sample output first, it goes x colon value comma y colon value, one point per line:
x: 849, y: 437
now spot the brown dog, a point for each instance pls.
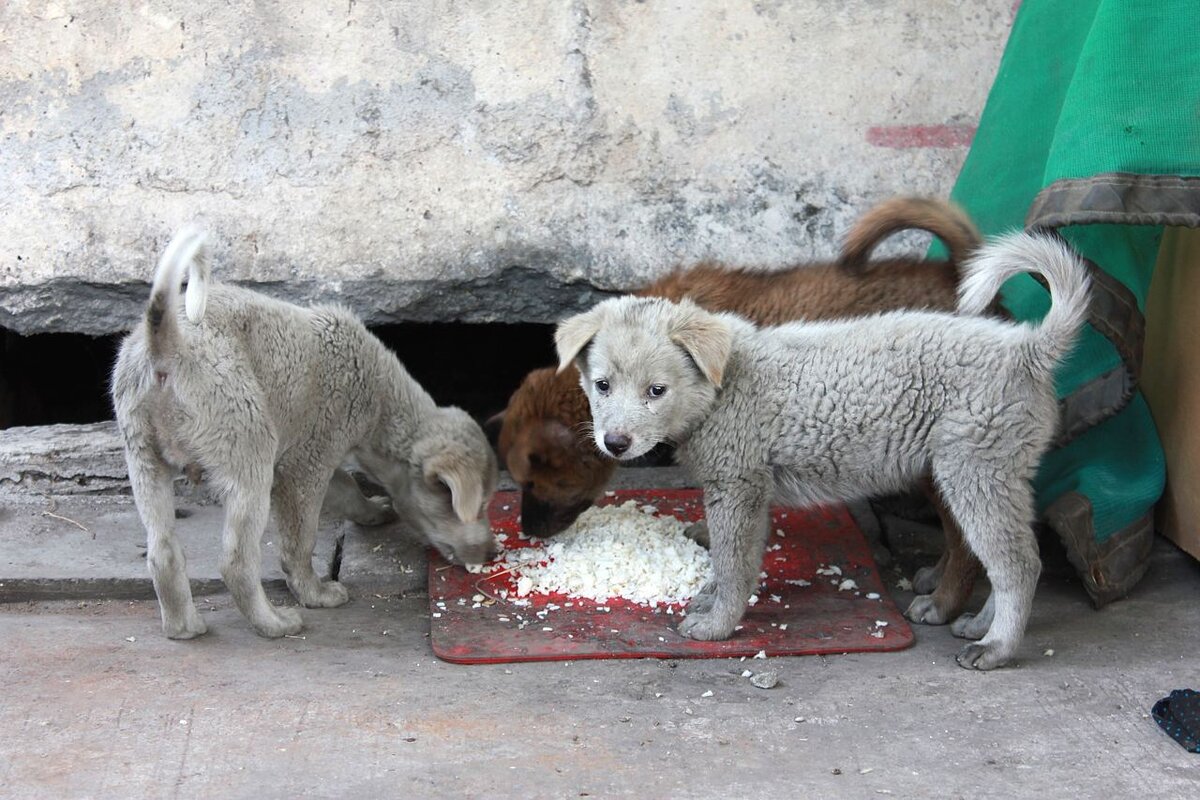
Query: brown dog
x: 543, y: 435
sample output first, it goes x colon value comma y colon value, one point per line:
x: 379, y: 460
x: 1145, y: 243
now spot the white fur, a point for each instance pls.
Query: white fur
x: 810, y: 413
x: 267, y: 399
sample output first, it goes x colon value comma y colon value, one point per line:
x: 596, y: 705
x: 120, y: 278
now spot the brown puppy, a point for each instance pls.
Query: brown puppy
x: 544, y: 431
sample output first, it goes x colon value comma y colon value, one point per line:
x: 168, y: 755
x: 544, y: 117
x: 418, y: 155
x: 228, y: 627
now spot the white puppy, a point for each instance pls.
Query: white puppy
x: 811, y: 413
x: 267, y: 399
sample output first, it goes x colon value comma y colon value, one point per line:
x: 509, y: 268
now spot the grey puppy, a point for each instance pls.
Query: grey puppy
x: 268, y: 399
x: 811, y: 413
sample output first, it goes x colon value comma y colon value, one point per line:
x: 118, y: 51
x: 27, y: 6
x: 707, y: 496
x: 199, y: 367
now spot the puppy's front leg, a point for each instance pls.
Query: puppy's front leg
x: 296, y: 497
x: 737, y: 524
x: 344, y: 499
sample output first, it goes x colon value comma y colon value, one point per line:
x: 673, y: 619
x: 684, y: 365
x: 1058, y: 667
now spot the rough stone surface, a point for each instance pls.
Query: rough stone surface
x: 62, y: 460
x: 462, y: 161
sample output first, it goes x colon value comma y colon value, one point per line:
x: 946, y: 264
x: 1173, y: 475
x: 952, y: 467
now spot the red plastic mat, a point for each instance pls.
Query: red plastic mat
x: 789, y: 619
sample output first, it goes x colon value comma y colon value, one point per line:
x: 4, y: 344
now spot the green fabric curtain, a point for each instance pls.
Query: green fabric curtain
x: 1093, y: 101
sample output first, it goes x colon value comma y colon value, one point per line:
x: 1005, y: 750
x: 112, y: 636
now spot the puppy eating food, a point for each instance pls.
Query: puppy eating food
x: 811, y: 413
x: 542, y: 437
x: 268, y: 398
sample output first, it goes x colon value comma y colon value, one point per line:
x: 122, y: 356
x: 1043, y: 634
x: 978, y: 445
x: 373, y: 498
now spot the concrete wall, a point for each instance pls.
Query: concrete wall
x: 462, y: 160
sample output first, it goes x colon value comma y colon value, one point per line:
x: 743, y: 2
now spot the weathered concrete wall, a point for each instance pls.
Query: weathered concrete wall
x: 462, y: 160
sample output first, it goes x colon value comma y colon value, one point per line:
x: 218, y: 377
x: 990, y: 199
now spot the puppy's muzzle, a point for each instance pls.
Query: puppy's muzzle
x: 617, y: 443
x: 542, y: 519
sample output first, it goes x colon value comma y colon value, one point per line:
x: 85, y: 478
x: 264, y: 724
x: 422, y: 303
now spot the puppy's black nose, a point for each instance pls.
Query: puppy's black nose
x: 616, y: 443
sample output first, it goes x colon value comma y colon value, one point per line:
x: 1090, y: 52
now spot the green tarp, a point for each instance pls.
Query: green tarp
x: 1092, y: 128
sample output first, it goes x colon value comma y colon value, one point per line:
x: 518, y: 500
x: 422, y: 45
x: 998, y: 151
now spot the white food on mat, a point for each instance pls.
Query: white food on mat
x: 615, y: 551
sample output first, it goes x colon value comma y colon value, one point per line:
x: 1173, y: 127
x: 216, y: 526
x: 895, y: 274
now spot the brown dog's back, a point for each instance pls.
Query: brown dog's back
x: 544, y: 438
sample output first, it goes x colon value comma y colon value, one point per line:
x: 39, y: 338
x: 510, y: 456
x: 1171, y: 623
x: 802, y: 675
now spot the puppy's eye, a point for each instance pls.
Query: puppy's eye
x: 656, y: 390
x: 602, y: 386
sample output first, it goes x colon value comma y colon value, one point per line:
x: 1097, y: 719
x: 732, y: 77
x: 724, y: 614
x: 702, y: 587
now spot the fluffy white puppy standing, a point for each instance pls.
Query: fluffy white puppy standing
x: 268, y: 399
x: 811, y: 413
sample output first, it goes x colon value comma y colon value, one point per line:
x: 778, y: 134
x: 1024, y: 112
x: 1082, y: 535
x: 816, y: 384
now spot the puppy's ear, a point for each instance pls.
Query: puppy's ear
x: 492, y: 428
x: 463, y: 479
x: 707, y: 339
x: 574, y: 333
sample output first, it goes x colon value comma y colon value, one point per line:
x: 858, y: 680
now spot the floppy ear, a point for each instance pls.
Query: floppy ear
x: 573, y: 334
x: 465, y: 483
x: 492, y: 428
x: 707, y: 339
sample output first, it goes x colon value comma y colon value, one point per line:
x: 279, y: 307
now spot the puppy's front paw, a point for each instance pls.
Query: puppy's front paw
x: 331, y: 594
x: 982, y: 656
x: 927, y: 579
x: 706, y: 626
x: 287, y: 622
x: 698, y: 533
x: 376, y: 511
x: 924, y: 610
x: 191, y: 627
x: 970, y: 626
x: 702, y: 601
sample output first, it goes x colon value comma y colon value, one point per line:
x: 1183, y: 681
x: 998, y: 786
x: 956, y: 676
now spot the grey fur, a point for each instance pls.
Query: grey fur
x: 268, y: 399
x: 811, y: 413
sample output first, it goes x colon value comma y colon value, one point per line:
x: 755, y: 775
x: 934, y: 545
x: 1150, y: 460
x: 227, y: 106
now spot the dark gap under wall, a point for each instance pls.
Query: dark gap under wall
x: 53, y: 378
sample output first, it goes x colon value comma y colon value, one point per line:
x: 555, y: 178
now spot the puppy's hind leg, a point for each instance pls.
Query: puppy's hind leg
x: 995, y: 510
x: 942, y: 602
x: 296, y: 498
x: 246, y: 510
x: 738, y: 526
x: 154, y: 493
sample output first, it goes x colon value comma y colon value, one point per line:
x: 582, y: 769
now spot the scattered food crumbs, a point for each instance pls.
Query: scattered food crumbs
x: 904, y: 585
x: 131, y: 638
x: 765, y: 680
x: 747, y: 673
x: 547, y: 629
x: 783, y: 627
x: 847, y: 585
x: 658, y: 694
x: 872, y: 595
x: 779, y: 532
x: 866, y: 770
x: 877, y: 634
x: 1048, y: 653
x: 776, y: 598
x: 477, y: 598
x: 799, y: 719
x: 879, y: 623
x: 707, y: 694
x: 753, y: 599
x: 830, y: 570
x: 799, y: 582
x: 761, y: 654
x: 687, y: 711
x: 436, y: 615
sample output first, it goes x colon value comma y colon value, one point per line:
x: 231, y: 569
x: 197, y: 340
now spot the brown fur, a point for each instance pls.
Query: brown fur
x: 543, y: 436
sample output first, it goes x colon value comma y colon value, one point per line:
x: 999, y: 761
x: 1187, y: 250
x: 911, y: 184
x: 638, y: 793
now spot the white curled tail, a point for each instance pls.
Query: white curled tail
x: 1064, y: 273
x: 186, y: 251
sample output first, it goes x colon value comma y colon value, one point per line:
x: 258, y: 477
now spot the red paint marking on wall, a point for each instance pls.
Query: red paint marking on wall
x: 904, y: 136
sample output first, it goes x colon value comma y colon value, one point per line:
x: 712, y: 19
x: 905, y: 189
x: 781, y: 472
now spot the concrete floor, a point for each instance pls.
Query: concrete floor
x: 97, y: 703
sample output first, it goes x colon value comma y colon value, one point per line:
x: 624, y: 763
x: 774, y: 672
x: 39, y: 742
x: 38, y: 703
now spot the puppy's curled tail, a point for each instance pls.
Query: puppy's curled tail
x: 944, y: 220
x: 1064, y: 274
x: 186, y: 251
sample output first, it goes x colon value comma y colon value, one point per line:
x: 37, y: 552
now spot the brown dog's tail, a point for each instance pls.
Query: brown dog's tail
x: 186, y: 251
x: 943, y: 219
